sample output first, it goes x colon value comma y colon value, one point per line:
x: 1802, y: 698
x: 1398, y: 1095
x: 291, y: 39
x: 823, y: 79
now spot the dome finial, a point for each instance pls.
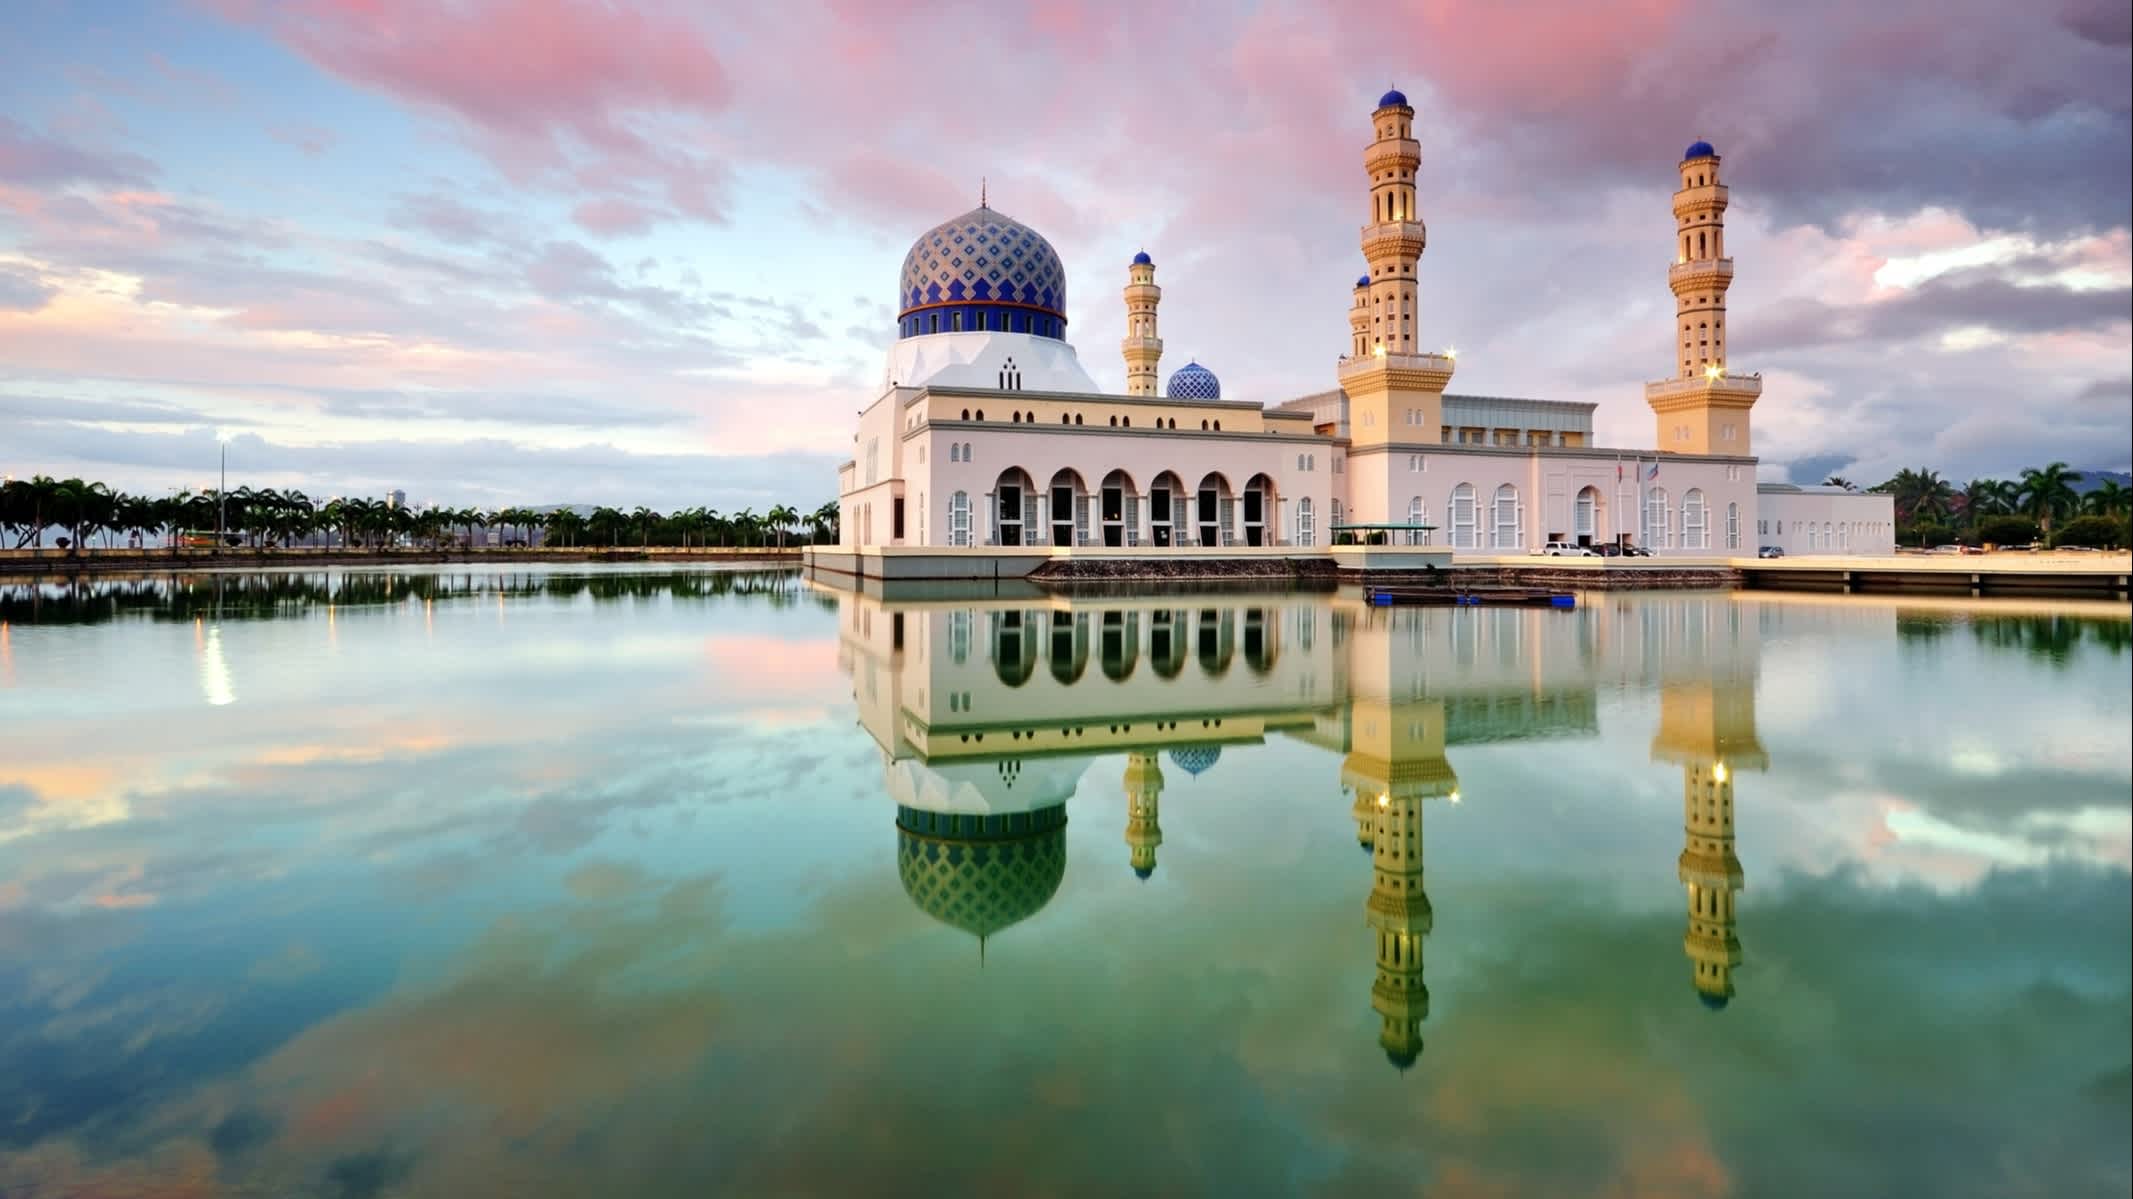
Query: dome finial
x: 981, y: 193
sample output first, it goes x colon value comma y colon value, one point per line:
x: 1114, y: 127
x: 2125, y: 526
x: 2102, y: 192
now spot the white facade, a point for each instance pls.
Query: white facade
x: 1825, y: 520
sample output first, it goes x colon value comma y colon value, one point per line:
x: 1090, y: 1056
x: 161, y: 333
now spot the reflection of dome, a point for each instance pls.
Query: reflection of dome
x: 1195, y: 759
x: 1142, y: 872
x: 984, y: 265
x: 1698, y: 149
x: 1403, y: 1058
x: 981, y: 873
x: 1194, y: 382
x: 1142, y: 259
x: 1714, y: 1002
x: 1393, y: 99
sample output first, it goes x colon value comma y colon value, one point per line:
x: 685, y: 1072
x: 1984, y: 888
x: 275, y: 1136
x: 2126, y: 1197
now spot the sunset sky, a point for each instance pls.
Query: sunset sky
x: 572, y: 252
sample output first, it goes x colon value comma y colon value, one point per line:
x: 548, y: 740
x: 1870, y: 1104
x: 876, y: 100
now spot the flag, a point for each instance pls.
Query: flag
x: 1655, y: 472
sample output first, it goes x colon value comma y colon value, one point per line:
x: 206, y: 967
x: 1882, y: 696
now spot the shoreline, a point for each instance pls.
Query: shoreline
x: 19, y: 563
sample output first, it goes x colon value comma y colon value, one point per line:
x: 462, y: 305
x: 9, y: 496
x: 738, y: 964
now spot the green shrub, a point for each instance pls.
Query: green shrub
x: 2006, y: 530
x: 2100, y: 532
x: 1927, y: 536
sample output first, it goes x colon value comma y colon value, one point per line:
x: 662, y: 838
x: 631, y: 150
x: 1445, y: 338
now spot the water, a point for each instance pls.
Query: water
x: 608, y: 883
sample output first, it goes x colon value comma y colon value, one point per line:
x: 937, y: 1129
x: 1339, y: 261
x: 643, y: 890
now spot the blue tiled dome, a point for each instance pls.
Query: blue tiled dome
x: 1393, y: 99
x: 978, y: 267
x: 1195, y: 759
x: 1194, y: 382
x: 1362, y: 280
x: 1698, y: 149
x: 1142, y: 259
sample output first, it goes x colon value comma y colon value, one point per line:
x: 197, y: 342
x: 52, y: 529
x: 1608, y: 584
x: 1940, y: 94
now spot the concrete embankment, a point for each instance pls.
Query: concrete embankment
x: 101, y: 561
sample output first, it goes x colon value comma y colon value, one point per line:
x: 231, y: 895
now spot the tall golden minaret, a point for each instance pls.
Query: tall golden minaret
x: 1703, y: 409
x: 1387, y: 374
x: 1142, y: 348
x: 1395, y: 762
x: 1144, y: 790
x: 1709, y: 729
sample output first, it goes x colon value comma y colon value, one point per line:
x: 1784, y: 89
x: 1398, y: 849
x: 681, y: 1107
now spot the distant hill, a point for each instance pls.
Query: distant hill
x: 2092, y: 479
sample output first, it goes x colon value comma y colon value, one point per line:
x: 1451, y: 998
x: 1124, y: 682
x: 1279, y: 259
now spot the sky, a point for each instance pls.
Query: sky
x: 561, y: 251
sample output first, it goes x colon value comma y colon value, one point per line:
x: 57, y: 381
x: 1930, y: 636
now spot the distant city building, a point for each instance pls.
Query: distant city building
x: 988, y: 432
x: 396, y: 498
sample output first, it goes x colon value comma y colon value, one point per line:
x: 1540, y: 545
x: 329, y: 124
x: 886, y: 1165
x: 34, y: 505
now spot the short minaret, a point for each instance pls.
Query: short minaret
x: 1387, y: 374
x: 1144, y: 791
x: 1142, y: 348
x: 1703, y: 409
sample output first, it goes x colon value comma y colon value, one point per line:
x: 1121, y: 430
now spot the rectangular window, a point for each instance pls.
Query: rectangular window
x: 896, y: 519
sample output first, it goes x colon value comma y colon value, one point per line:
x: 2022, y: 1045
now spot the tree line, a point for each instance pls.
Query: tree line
x: 2042, y: 504
x: 88, y: 511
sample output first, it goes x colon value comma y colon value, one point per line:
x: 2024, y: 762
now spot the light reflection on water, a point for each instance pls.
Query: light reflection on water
x: 578, y: 882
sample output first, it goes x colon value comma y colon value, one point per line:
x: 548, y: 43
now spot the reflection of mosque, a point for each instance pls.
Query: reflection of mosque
x: 990, y: 712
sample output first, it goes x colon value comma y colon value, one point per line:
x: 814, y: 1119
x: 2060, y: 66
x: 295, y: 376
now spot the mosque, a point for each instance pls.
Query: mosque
x: 988, y: 432
x: 989, y: 715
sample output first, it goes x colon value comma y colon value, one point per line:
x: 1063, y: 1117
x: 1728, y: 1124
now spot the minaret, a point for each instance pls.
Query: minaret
x: 1399, y: 915
x: 1709, y: 729
x: 1144, y: 789
x: 1386, y: 373
x: 1703, y: 409
x: 1142, y: 348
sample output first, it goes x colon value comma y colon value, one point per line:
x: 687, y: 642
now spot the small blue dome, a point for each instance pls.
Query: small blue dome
x: 1698, y: 149
x: 1362, y: 280
x: 1393, y: 99
x: 1142, y: 259
x: 1715, y: 1002
x: 1195, y: 759
x: 1142, y: 872
x: 1194, y: 382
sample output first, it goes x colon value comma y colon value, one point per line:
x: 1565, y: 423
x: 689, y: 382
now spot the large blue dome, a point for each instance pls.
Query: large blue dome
x: 981, y: 272
x: 1194, y: 382
x: 1393, y: 99
x: 1698, y: 149
x: 1142, y: 259
x: 1196, y: 759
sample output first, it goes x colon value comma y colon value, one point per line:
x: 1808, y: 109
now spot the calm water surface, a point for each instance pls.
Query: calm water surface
x: 587, y: 883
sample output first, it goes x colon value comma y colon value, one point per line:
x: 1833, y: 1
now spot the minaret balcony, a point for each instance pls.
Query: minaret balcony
x: 1390, y: 154
x: 1402, y: 238
x: 1699, y: 272
x: 1736, y: 390
x: 1437, y: 368
x: 1690, y: 200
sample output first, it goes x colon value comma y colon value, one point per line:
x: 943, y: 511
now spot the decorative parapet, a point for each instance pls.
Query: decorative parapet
x: 1430, y: 369
x: 1699, y: 271
x: 1734, y: 389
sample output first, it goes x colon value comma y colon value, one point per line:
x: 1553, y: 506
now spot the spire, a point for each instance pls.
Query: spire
x: 981, y: 193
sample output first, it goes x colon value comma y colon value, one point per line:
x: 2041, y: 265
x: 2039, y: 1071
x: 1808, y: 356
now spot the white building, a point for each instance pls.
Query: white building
x: 1824, y: 520
x: 987, y: 431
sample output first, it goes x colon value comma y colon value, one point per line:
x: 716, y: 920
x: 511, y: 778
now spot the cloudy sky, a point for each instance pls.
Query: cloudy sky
x: 562, y: 251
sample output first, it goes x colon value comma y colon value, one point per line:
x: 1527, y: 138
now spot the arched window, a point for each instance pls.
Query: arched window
x: 1203, y: 426
x: 1658, y: 525
x: 1732, y: 526
x: 1695, y: 535
x: 1306, y: 526
x: 1114, y: 420
x: 1417, y: 514
x: 1065, y: 419
x: 959, y: 518
x: 955, y: 452
x: 1018, y: 418
x: 1508, y: 520
x: 966, y: 414
x: 1464, y: 517
x: 1586, y: 522
x: 981, y: 414
x: 1336, y: 522
x: 966, y: 451
x: 1127, y: 421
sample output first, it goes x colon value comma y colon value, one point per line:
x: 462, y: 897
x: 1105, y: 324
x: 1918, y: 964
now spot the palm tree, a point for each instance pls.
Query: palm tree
x: 824, y: 520
x: 1979, y: 498
x: 2048, y: 493
x: 780, y: 519
x: 606, y: 525
x: 642, y: 519
x: 1840, y: 481
x: 1920, y: 495
x: 746, y: 523
x: 565, y: 525
x: 2108, y: 498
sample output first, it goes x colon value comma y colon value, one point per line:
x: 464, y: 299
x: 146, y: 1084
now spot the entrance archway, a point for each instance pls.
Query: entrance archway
x: 1013, y: 509
x: 1213, y: 511
x: 1118, y: 510
x: 1068, y: 498
x: 1166, y: 510
x: 1259, y: 522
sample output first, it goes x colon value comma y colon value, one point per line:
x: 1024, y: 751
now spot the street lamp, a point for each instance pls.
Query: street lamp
x: 222, y: 494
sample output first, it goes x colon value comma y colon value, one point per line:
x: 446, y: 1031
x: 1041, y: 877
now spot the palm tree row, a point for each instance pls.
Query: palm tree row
x: 87, y: 512
x: 2043, y: 494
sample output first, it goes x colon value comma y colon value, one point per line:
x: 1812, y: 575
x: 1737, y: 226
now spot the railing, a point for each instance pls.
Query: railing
x: 1347, y: 363
x: 1738, y: 384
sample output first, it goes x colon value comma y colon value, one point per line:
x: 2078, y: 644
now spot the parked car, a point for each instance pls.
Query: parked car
x: 1635, y: 551
x: 1565, y: 549
x: 1771, y: 551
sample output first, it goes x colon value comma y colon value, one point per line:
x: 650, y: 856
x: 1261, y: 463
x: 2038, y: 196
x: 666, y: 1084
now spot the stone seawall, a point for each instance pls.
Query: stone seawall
x: 102, y: 561
x: 1638, y: 578
x: 1166, y: 570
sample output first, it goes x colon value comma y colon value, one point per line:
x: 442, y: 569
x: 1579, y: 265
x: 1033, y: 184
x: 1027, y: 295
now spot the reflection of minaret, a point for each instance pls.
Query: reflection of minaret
x: 1396, y: 761
x: 1144, y: 788
x: 1709, y: 728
